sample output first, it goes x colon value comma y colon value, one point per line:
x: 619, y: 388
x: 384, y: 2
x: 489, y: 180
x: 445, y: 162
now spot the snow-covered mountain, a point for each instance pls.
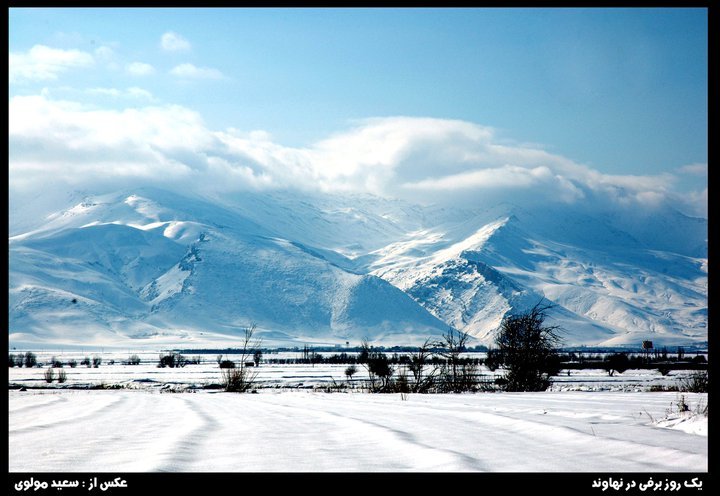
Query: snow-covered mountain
x: 152, y: 266
x: 608, y: 288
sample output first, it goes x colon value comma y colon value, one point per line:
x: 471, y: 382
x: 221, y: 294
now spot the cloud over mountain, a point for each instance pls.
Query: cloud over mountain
x: 420, y: 159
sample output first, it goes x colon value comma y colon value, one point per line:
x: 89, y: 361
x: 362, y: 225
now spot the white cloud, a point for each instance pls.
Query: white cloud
x: 505, y: 177
x: 173, y: 42
x: 43, y: 63
x: 189, y: 71
x: 114, y: 92
x: 132, y: 92
x: 697, y: 169
x: 419, y: 159
x: 60, y: 141
x: 698, y: 203
x: 447, y: 159
x: 140, y: 69
x: 135, y: 92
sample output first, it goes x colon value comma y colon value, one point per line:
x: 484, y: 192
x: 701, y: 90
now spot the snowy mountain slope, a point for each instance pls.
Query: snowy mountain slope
x: 149, y: 264
x: 608, y: 287
x: 228, y: 282
x: 458, y: 285
x: 152, y: 264
x: 347, y: 225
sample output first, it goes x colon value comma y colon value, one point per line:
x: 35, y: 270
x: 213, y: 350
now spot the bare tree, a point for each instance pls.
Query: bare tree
x: 378, y: 366
x: 527, y: 349
x: 422, y: 382
x: 455, y: 373
x: 617, y: 362
x: 241, y: 379
x: 350, y: 371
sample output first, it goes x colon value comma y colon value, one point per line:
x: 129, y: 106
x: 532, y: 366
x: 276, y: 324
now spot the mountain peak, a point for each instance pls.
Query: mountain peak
x: 147, y: 264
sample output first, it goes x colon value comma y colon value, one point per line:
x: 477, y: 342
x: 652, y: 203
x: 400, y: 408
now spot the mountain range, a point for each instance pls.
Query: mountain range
x: 148, y: 266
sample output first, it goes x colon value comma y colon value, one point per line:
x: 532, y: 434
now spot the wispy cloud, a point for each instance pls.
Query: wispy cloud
x: 173, y: 42
x: 42, y: 63
x: 190, y: 71
x: 140, y: 69
x: 132, y: 92
x: 697, y: 169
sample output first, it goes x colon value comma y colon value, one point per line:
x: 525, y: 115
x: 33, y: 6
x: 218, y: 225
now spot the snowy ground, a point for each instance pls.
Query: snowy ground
x: 589, y: 423
x: 303, y: 431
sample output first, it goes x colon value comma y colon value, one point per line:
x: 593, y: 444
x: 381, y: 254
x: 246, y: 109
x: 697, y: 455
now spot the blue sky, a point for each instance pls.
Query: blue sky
x: 617, y: 92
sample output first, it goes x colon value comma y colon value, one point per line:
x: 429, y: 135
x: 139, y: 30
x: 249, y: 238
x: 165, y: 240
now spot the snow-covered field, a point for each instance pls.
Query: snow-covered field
x: 147, y: 375
x: 589, y: 423
x: 303, y: 431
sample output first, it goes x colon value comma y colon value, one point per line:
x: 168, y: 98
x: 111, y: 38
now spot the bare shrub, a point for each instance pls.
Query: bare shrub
x: 696, y: 382
x: 172, y: 360
x: 617, y: 362
x: 350, y: 371
x: 30, y: 359
x: 422, y: 381
x: 682, y: 405
x: 62, y: 376
x: 49, y: 375
x: 664, y: 369
x: 238, y: 380
x: 701, y: 408
x: 242, y: 378
x: 96, y: 361
x: 655, y: 388
x: 402, y: 385
x: 379, y: 369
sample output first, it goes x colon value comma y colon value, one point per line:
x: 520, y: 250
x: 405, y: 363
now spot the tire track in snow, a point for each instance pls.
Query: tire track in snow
x: 121, y: 442
x: 80, y: 443
x: 540, y: 444
x: 610, y: 426
x: 574, y: 445
x: 184, y: 452
x: 72, y: 419
x: 140, y: 430
x: 467, y: 462
x: 54, y: 399
x: 454, y: 460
